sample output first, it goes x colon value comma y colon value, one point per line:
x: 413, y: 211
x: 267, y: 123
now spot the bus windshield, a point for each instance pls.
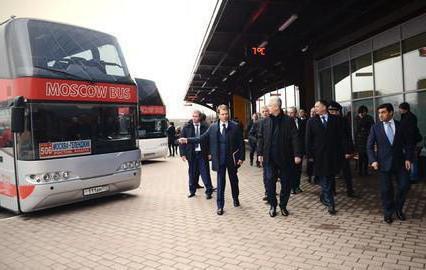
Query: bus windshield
x: 76, y: 129
x: 152, y: 127
x: 54, y: 50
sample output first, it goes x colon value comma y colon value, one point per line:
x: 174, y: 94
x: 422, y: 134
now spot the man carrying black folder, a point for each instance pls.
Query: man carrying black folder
x: 227, y: 152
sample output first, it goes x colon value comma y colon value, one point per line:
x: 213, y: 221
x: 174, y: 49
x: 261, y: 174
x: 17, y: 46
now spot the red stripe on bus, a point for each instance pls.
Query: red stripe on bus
x: 59, y: 90
x: 9, y: 190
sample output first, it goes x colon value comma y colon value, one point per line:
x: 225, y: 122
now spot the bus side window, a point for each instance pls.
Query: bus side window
x: 6, y: 136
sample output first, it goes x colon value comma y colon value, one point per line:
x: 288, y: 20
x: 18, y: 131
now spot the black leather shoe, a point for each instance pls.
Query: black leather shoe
x: 208, y: 196
x: 236, y: 203
x: 191, y: 195
x: 265, y: 198
x: 199, y: 186
x: 331, y: 210
x: 388, y: 219
x: 293, y: 191
x: 273, y: 211
x: 298, y: 190
x: 284, y: 211
x: 220, y: 211
x: 352, y: 194
x: 400, y: 215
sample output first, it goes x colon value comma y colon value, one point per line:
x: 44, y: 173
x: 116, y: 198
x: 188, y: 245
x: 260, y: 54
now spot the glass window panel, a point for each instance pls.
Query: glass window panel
x: 414, y: 50
x: 387, y: 68
x: 362, y: 77
x: 342, y: 82
x: 325, y: 84
x: 417, y: 103
x: 394, y: 100
x: 290, y: 98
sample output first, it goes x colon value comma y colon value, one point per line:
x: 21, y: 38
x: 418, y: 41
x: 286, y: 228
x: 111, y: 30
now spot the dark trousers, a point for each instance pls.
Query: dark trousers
x: 265, y: 181
x: 347, y: 176
x: 252, y: 150
x: 298, y: 175
x: 199, y: 165
x: 171, y: 148
x: 310, y: 171
x: 390, y: 202
x: 326, y: 194
x: 362, y: 163
x: 286, y: 175
x: 221, y: 182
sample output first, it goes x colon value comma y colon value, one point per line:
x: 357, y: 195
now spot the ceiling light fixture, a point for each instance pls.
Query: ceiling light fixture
x: 288, y: 22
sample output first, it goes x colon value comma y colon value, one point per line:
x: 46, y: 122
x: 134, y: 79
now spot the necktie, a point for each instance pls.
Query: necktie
x: 324, y: 121
x: 389, y: 132
x: 297, y: 123
x: 197, y: 131
x: 223, y: 129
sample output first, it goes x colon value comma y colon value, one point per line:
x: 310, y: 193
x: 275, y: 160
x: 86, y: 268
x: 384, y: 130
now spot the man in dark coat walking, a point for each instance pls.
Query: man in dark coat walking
x: 279, y: 151
x: 301, y: 130
x: 325, y: 137
x: 227, y: 150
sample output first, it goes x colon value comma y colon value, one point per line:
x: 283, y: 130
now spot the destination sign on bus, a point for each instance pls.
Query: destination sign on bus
x: 64, y: 149
x: 51, y: 89
x: 153, y: 110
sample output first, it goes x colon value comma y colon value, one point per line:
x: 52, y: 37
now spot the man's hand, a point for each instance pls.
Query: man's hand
x: 183, y: 140
x: 375, y: 165
x: 408, y: 165
x: 348, y: 156
x: 260, y: 159
x: 183, y: 158
x: 240, y: 162
x: 297, y: 160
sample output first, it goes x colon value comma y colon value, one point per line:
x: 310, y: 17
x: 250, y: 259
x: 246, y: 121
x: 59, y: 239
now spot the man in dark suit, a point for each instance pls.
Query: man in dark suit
x: 196, y: 155
x: 335, y: 108
x: 264, y: 111
x: 324, y: 140
x: 279, y: 150
x: 393, y: 158
x: 227, y: 150
x: 301, y: 130
x: 171, y: 133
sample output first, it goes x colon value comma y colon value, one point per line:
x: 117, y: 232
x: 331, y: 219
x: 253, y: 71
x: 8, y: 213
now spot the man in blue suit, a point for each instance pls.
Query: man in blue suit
x: 393, y: 158
x: 227, y: 151
x: 196, y: 155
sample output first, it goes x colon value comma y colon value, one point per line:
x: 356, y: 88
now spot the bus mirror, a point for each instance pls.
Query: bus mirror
x: 18, y: 119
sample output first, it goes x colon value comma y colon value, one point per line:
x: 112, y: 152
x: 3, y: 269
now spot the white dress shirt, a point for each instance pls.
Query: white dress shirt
x: 197, y: 131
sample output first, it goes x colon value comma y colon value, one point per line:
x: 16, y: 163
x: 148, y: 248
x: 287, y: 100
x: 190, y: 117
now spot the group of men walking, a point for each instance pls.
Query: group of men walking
x: 281, y: 141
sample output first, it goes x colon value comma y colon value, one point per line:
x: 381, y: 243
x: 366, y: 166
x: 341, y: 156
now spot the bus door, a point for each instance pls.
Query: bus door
x: 8, y: 182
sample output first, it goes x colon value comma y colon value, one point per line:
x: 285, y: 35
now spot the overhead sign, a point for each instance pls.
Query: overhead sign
x: 152, y: 110
x: 258, y: 51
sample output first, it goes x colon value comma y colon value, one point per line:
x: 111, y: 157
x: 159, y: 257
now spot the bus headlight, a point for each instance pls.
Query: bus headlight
x: 129, y: 165
x: 47, y: 177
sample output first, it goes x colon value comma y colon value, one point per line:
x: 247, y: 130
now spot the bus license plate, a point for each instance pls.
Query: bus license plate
x: 95, y: 190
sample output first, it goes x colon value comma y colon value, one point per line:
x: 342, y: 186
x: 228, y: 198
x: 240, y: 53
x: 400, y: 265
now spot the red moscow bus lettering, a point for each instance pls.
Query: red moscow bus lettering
x: 75, y: 90
x: 120, y: 93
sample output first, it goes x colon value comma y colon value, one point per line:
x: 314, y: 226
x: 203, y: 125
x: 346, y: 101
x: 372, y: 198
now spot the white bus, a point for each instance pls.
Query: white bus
x: 68, y: 110
x: 152, y: 124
